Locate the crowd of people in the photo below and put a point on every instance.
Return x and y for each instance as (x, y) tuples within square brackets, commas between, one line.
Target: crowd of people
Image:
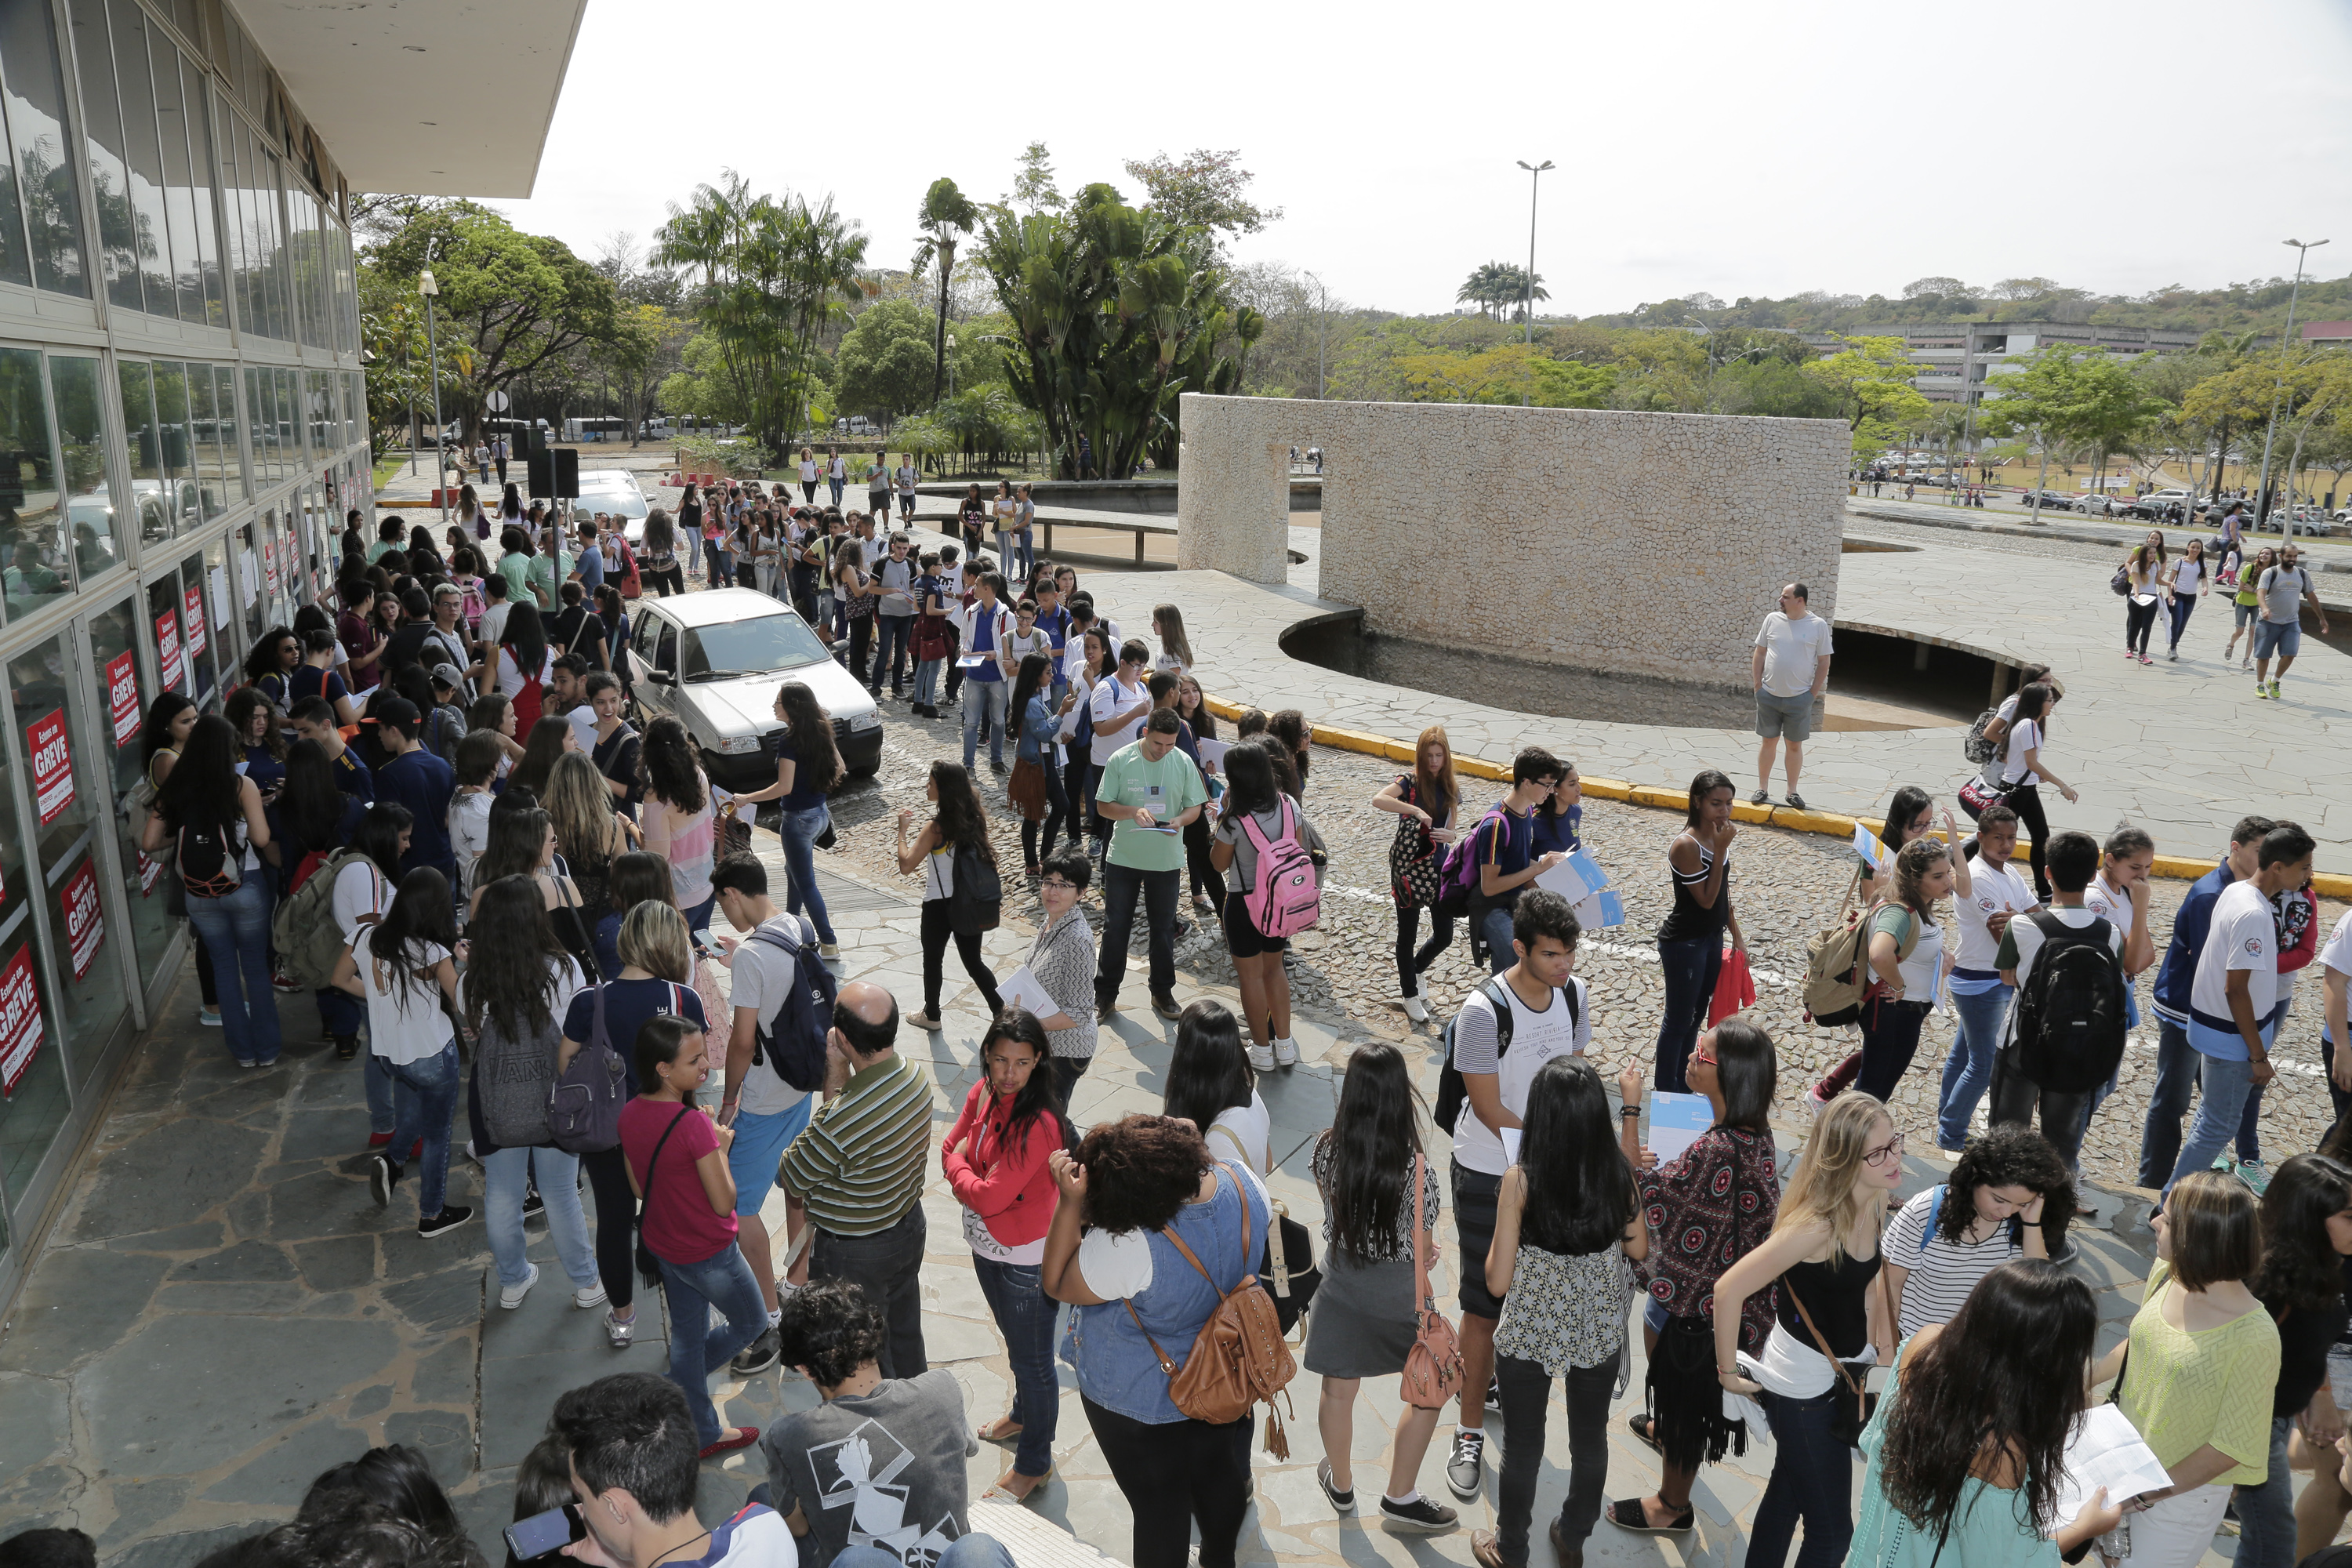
[(429, 811)]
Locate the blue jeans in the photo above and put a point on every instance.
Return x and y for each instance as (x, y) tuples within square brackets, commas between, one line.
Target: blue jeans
[(2266, 1512), (926, 681), (965, 1552), (1690, 966), (2167, 1102), (699, 1347), (1025, 1316), (2217, 1110), (427, 1096), (1494, 931), (985, 696), (1812, 1479), (1968, 1071), (892, 637), (698, 916), (507, 1174), (235, 930), (800, 832)]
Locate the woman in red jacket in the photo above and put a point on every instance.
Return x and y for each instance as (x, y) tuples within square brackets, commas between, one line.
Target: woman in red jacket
[(995, 1160)]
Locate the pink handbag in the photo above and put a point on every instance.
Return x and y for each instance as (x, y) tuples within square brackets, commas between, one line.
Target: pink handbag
[(1432, 1368)]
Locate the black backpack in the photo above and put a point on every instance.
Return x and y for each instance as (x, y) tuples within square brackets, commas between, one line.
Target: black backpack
[(2068, 1026), (208, 861), (796, 1044), (1451, 1093), (976, 901)]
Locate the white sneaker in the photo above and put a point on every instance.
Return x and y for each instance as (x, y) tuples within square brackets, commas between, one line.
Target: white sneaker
[(511, 1297), (594, 1296), (1286, 1051), (1415, 1009), (1261, 1057)]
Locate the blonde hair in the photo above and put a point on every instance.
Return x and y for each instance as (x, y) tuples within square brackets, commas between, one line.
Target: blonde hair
[(580, 805), (653, 937), (1826, 1186)]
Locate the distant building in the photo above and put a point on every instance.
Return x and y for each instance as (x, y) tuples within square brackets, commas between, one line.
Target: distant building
[(2337, 334), (1963, 359)]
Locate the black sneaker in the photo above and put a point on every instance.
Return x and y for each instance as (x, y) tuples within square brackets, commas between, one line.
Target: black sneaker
[(533, 1205), (1467, 1468), (759, 1355), (1420, 1514), (1166, 1007), (441, 1224), (383, 1176), (1341, 1502)]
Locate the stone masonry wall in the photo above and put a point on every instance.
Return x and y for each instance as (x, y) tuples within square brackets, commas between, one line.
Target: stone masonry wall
[(1647, 543)]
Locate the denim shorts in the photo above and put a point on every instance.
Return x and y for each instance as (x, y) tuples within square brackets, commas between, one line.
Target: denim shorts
[(1786, 718), (759, 1149), (2248, 615), (2282, 639)]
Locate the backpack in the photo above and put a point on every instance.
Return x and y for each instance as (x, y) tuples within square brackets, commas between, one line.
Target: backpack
[(796, 1043), (1238, 1358), (208, 860), (1976, 748), (1451, 1091), (2067, 1028), (470, 603), (584, 1108), (1282, 900), (1457, 875), (514, 1077), (1838, 980), (977, 898), (304, 931)]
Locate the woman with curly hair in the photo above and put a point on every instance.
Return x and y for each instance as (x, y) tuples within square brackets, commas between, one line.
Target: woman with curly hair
[(676, 820), (960, 824), (2306, 1234), (1134, 1186), (1967, 1452), (2010, 1193)]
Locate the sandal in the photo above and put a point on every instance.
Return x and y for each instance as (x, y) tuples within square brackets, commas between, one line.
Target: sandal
[(1640, 1424), (1003, 1489), (1003, 1429), (1627, 1513)]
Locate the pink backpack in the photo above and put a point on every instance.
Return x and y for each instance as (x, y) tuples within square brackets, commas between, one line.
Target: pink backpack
[(1284, 899)]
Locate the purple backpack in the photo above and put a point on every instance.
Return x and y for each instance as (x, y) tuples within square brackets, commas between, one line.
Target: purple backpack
[(1457, 875)]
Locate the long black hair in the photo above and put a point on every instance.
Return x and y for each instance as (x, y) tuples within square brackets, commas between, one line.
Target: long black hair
[(667, 767), (204, 783), (962, 823), (511, 973), (1366, 1156), (264, 658), (378, 834), (311, 805), (1207, 1071), (1033, 668), (2032, 702), (2300, 1265), (1249, 782), (1748, 1071), (1037, 1096), (2006, 1375), (525, 640), (1901, 812), (812, 733), (1579, 1191), (419, 914), (155, 734)]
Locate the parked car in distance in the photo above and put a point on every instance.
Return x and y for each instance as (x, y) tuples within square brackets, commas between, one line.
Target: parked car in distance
[(615, 491), (715, 659), (2051, 500)]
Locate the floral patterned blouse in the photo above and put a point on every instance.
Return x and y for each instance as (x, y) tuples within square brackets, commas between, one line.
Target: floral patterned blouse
[(1707, 1208), (1566, 1310)]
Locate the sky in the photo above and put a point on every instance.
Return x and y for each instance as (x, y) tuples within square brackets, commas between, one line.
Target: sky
[(1708, 146)]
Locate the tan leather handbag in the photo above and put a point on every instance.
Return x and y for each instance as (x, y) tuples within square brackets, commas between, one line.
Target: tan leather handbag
[(1238, 1358), (1432, 1368)]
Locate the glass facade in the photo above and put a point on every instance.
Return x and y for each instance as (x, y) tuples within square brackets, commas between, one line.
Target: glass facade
[(182, 427)]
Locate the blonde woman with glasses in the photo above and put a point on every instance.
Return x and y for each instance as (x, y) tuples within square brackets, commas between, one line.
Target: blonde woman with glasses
[(1823, 1256)]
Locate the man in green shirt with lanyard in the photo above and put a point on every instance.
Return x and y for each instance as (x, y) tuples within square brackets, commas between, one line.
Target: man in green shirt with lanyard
[(1148, 791)]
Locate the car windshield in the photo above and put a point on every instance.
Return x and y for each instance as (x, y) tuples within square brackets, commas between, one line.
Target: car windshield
[(625, 499), (755, 647)]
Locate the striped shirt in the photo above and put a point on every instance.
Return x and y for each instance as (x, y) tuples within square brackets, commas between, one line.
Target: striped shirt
[(1942, 1272), (860, 1165)]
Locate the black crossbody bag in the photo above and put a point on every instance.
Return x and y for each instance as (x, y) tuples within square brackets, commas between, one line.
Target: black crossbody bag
[(648, 1266)]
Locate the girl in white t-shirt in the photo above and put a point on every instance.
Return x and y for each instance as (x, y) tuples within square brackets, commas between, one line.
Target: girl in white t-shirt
[(401, 967), (363, 894), (1925, 873), (1175, 654), (2146, 570), (1211, 1085), (2023, 772), (2189, 580)]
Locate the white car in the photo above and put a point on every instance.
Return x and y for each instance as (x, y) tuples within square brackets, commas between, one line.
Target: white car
[(616, 492)]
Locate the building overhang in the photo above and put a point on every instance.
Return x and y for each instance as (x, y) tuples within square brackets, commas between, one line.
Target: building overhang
[(431, 97)]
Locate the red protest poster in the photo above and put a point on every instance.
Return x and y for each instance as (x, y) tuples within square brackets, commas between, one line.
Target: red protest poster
[(20, 1018), (150, 873), (195, 619), (53, 785), (269, 564), (167, 647), (85, 925), (122, 695)]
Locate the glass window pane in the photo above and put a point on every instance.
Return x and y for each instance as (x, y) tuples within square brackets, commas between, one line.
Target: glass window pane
[(33, 1106), (15, 260), (36, 122), (203, 436), (182, 502), (200, 641), (204, 185), (180, 197), (150, 222), (252, 598), (124, 691), (291, 424), (269, 200), (220, 615), (230, 461), (81, 443), (31, 509), (118, 235), (236, 235), (142, 438)]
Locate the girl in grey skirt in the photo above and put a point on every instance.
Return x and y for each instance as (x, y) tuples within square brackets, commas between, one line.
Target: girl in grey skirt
[(1361, 1324)]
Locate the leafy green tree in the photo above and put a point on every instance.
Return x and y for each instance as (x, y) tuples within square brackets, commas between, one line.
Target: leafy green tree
[(1032, 188), (1871, 378), (1205, 190), (2064, 401), (886, 359), (947, 215)]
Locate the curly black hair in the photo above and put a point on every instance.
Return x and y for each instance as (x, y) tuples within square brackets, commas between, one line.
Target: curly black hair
[(829, 1327), (2008, 1157), (2300, 1265), (1140, 1170)]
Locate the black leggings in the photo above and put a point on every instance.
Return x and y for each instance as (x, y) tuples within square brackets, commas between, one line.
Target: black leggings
[(1204, 872), (2138, 619), (2026, 801), (1173, 1474), (1890, 1038), (1059, 817), (936, 933), (666, 583), (1074, 790), (617, 1211), (1410, 962)]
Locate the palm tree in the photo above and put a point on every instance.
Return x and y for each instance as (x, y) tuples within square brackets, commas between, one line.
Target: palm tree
[(1482, 289), (947, 215), (1511, 287)]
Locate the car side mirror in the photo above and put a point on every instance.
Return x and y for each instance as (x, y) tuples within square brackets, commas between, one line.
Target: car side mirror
[(661, 678)]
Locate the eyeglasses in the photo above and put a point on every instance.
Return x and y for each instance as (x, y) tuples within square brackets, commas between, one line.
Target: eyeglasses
[(1887, 1153), (1059, 883)]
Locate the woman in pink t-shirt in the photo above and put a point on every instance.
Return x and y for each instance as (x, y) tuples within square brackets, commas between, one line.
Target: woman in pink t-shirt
[(678, 1165)]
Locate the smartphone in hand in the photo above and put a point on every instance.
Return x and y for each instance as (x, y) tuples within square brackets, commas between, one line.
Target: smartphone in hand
[(543, 1534)]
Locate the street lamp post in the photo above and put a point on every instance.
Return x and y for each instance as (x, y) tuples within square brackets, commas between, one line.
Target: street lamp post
[(2286, 344), (1323, 330), (1535, 183), (429, 288)]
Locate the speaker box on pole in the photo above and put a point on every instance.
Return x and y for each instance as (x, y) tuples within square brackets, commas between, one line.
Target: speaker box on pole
[(567, 472), (542, 475)]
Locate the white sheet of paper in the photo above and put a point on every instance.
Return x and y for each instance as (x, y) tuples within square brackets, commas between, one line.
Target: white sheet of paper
[(1564, 879), (1510, 1137), (1021, 989), (2107, 1451), (1676, 1120), (1213, 752), (973, 661)]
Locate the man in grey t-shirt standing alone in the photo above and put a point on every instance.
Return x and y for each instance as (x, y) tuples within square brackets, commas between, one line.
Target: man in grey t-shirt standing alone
[(2282, 590), (1792, 669)]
